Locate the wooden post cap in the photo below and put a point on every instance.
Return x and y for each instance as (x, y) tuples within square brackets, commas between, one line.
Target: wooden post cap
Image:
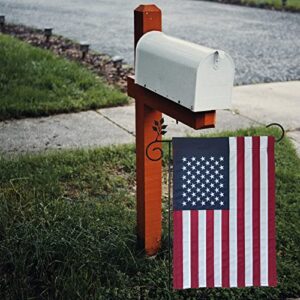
[(147, 17)]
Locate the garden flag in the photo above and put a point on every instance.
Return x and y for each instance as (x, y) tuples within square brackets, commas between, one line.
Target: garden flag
[(224, 212)]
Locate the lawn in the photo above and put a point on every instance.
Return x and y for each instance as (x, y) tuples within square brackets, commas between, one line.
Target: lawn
[(67, 229), (290, 4), (34, 82)]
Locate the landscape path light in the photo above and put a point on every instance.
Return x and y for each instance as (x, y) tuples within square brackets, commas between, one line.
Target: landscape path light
[(117, 62), (48, 33), (2, 22), (84, 48)]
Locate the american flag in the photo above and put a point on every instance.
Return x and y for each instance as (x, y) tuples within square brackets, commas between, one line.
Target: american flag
[(224, 212)]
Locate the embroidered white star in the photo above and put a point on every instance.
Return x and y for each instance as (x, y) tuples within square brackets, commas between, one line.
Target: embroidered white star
[(202, 182)]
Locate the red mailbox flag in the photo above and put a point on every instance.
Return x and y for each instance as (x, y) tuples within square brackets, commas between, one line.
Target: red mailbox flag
[(224, 212)]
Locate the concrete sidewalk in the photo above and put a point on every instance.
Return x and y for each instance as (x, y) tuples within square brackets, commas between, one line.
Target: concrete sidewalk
[(253, 105)]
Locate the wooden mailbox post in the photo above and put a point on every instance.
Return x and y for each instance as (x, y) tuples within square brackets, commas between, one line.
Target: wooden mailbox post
[(149, 107)]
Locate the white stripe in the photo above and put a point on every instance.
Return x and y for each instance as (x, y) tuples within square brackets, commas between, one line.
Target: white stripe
[(248, 213), (202, 247), (186, 255), (218, 248), (263, 211), (233, 211)]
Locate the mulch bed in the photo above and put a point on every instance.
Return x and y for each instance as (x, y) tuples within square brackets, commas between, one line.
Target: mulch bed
[(101, 64)]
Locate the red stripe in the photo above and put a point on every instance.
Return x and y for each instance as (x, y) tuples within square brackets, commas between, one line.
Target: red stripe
[(256, 210), (194, 249), (210, 248), (225, 248), (177, 249), (271, 214), (240, 211)]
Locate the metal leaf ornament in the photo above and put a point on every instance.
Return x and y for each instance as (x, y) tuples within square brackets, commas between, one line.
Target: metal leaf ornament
[(159, 127)]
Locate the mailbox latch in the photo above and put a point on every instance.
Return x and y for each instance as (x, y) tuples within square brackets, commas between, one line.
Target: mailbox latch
[(216, 60)]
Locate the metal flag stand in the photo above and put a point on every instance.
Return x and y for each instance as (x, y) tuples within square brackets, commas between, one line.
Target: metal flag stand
[(160, 128)]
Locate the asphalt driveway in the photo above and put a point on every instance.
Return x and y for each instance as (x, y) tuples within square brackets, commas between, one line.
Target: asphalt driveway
[(263, 43)]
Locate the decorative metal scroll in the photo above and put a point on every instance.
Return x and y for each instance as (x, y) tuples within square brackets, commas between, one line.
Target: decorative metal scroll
[(160, 129), (282, 130)]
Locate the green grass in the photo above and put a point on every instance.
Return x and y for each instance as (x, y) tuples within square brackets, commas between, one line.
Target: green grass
[(34, 82), (67, 229), (290, 4)]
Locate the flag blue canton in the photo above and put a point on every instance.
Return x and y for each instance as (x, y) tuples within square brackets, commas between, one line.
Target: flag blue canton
[(201, 173)]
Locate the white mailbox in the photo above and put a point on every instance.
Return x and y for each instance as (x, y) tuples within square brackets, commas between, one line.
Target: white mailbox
[(194, 76)]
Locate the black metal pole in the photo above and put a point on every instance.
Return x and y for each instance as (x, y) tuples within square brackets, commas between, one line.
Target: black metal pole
[(169, 212)]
